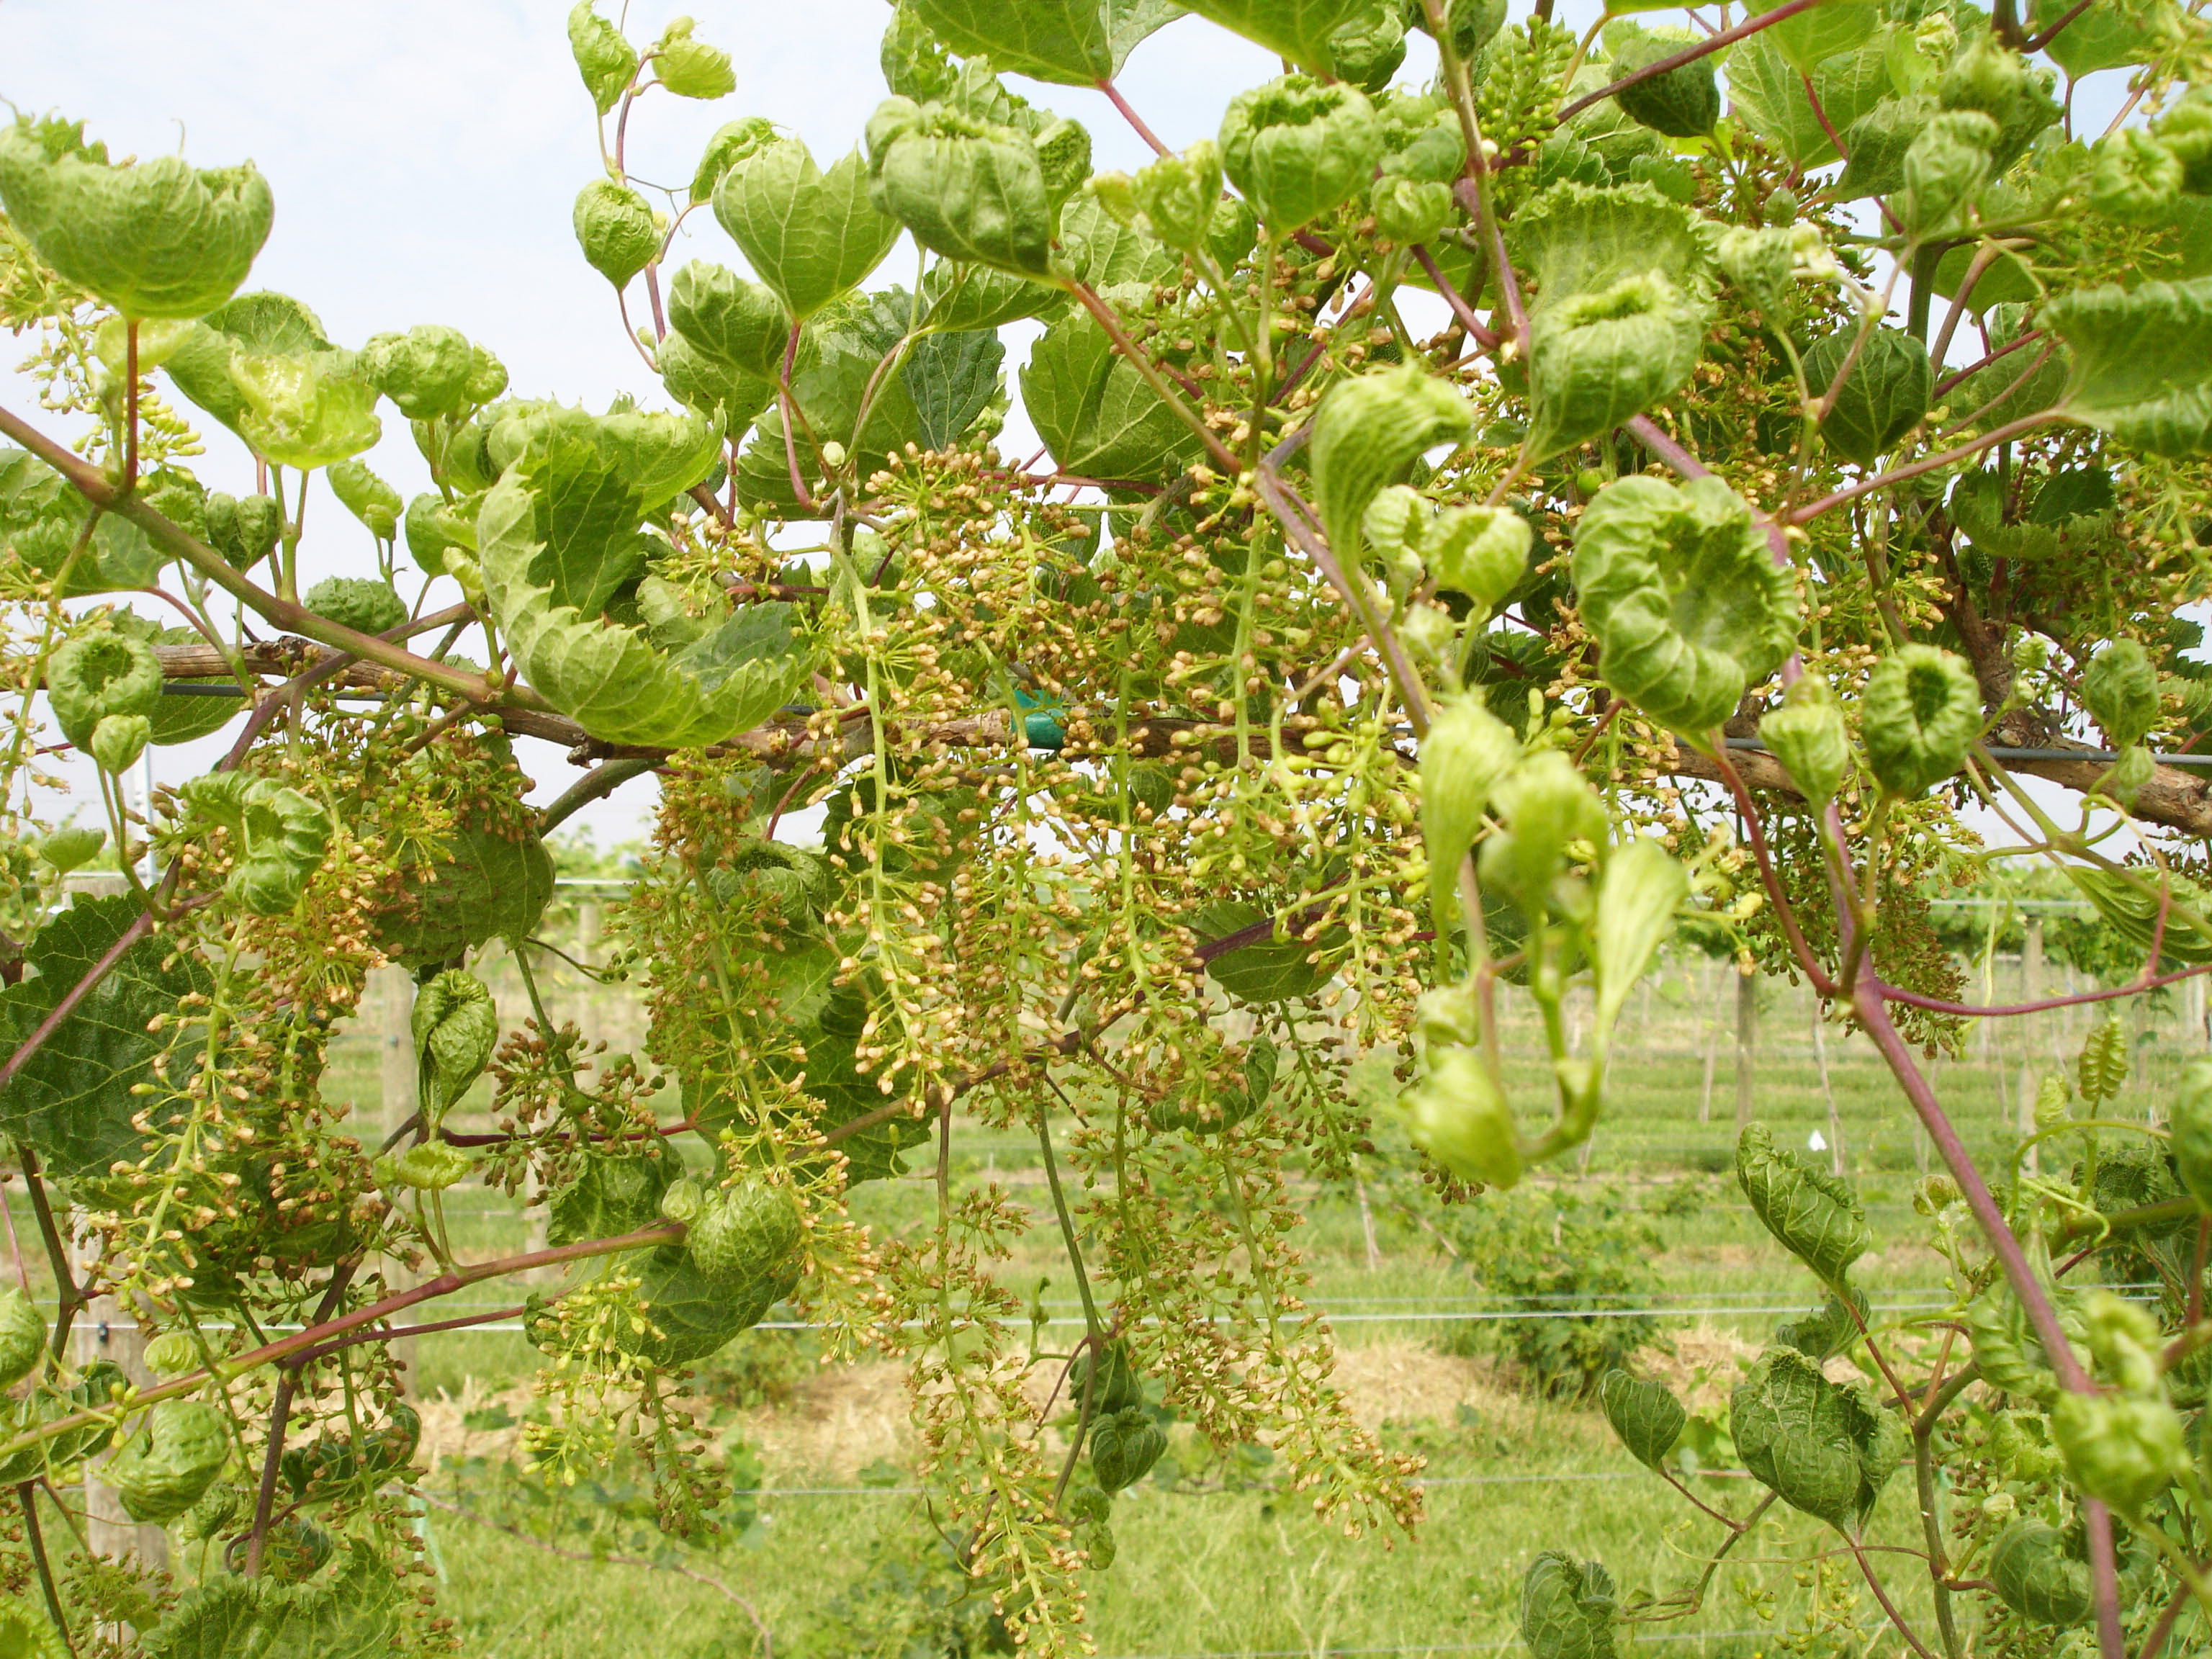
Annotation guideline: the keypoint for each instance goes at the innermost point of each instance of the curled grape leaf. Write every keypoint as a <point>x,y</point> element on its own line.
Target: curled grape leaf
<point>1826,1330</point>
<point>262,366</point>
<point>1368,433</point>
<point>2142,363</point>
<point>1688,608</point>
<point>2133,912</point>
<point>1297,149</point>
<point>152,238</point>
<point>1921,710</point>
<point>974,192</point>
<point>1816,1216</point>
<point>1644,1414</point>
<point>810,236</point>
<point>1822,1447</point>
<point>557,537</point>
<point>1567,1608</point>
<point>2039,1577</point>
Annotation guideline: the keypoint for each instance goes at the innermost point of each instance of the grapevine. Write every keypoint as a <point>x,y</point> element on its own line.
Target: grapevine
<point>1811,448</point>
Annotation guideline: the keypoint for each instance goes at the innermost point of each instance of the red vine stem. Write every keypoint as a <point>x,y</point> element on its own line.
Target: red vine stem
<point>298,1342</point>
<point>2004,434</point>
<point>74,996</point>
<point>88,481</point>
<point>1690,54</point>
<point>1477,330</point>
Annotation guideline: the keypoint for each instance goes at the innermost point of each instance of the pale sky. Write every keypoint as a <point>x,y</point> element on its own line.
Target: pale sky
<point>424,158</point>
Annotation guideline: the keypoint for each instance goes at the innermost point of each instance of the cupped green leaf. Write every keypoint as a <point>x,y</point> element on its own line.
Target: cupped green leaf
<point>262,367</point>
<point>428,371</point>
<point>810,236</point>
<point>654,456</point>
<point>1921,710</point>
<point>1466,754</point>
<point>1990,77</point>
<point>1298,148</point>
<point>1683,102</point>
<point>1836,1325</point>
<point>2142,363</point>
<point>1806,734</point>
<point>152,238</point>
<point>1816,1216</point>
<point>690,68</point>
<point>736,322</point>
<point>367,497</point>
<point>2124,1450</point>
<point>1824,1448</point>
<point>2120,687</point>
<point>1888,391</point>
<point>1644,1414</point>
<point>960,299</point>
<point>97,673</point>
<point>1638,895</point>
<point>606,60</point>
<point>2040,1576</point>
<point>615,227</point>
<point>553,532</point>
<point>455,1027</point>
<point>2134,913</point>
<point>971,190</point>
<point>1577,240</point>
<point>1686,604</point>
<point>1596,360</point>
